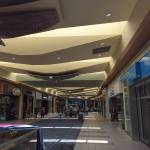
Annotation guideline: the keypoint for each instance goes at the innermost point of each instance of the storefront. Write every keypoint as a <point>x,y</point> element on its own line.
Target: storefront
<point>60,104</point>
<point>102,106</point>
<point>28,102</point>
<point>9,102</point>
<point>50,103</point>
<point>116,108</point>
<point>38,99</point>
<point>45,103</point>
<point>114,102</point>
<point>77,102</point>
<point>137,79</point>
<point>92,105</point>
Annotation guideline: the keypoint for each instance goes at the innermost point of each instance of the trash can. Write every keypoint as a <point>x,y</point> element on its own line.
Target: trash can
<point>81,116</point>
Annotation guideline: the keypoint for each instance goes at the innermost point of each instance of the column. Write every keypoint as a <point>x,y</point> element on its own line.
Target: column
<point>21,105</point>
<point>34,101</point>
<point>66,102</point>
<point>54,104</point>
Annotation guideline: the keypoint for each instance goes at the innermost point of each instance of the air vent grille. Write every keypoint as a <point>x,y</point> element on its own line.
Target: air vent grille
<point>101,49</point>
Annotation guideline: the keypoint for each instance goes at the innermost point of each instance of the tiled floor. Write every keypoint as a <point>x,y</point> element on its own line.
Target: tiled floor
<point>63,134</point>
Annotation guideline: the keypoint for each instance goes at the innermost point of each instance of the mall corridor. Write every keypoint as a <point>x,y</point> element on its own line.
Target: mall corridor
<point>94,133</point>
<point>62,59</point>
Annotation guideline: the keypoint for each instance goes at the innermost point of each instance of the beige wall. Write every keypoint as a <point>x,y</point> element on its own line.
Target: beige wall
<point>136,18</point>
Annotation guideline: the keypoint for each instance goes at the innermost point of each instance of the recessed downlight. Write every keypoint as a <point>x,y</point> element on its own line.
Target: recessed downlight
<point>50,77</point>
<point>108,15</point>
<point>13,58</point>
<point>58,58</point>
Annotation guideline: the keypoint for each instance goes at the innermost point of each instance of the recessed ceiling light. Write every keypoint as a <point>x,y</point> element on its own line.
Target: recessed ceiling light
<point>99,55</point>
<point>13,58</point>
<point>58,58</point>
<point>50,77</point>
<point>108,14</point>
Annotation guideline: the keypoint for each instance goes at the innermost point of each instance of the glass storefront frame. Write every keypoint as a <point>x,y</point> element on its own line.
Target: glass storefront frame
<point>126,104</point>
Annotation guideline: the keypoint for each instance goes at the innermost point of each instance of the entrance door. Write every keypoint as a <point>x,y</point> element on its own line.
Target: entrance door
<point>25,103</point>
<point>145,112</point>
<point>140,110</point>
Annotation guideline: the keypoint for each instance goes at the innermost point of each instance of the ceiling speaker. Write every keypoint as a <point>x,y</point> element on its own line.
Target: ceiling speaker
<point>5,3</point>
<point>24,23</point>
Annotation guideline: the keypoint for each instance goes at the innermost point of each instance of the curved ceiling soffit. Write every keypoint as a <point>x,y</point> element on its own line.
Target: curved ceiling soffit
<point>55,76</point>
<point>71,73</point>
<point>45,45</point>
<point>14,24</point>
<point>62,75</point>
<point>6,3</point>
<point>66,55</point>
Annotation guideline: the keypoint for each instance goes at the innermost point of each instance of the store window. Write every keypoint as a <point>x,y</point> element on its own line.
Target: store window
<point>9,104</point>
<point>145,65</point>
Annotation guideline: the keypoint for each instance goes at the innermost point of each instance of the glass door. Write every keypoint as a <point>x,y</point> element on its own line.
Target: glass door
<point>126,105</point>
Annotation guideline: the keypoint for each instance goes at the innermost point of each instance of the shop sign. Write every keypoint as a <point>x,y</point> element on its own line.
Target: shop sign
<point>38,95</point>
<point>16,91</point>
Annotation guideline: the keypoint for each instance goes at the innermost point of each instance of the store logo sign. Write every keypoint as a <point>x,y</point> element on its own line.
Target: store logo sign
<point>16,91</point>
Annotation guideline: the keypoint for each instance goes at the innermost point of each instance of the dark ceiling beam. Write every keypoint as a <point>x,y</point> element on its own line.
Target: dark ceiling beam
<point>13,24</point>
<point>5,3</point>
<point>141,37</point>
<point>83,83</point>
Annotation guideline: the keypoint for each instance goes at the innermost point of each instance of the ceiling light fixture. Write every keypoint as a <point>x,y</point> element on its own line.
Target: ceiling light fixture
<point>50,77</point>
<point>58,58</point>
<point>13,58</point>
<point>108,15</point>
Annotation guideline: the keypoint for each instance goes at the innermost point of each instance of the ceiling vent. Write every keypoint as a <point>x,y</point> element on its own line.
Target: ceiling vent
<point>24,23</point>
<point>5,3</point>
<point>103,49</point>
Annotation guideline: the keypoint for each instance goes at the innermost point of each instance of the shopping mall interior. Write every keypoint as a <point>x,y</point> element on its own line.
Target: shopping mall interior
<point>75,71</point>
